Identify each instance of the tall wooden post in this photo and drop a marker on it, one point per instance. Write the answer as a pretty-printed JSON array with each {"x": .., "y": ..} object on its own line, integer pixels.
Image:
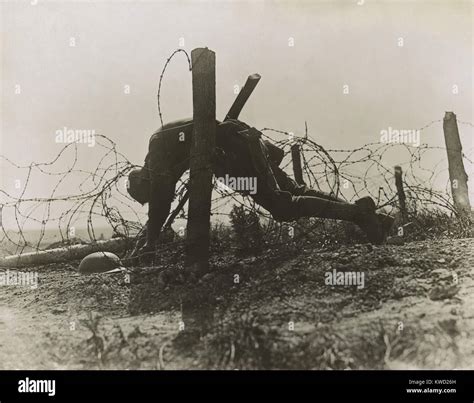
[
  {"x": 457, "y": 173},
  {"x": 202, "y": 147},
  {"x": 296, "y": 159},
  {"x": 400, "y": 192}
]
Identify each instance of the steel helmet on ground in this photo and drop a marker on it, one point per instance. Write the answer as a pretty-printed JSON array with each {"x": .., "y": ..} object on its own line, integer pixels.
[{"x": 99, "y": 262}]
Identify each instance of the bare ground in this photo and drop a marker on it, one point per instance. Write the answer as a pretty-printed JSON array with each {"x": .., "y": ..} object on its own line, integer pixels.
[{"x": 274, "y": 310}]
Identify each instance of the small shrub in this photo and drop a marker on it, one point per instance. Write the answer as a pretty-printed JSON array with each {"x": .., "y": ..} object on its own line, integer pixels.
[{"x": 248, "y": 232}]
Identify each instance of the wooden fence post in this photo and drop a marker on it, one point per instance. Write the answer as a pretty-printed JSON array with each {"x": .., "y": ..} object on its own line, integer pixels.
[
  {"x": 457, "y": 173},
  {"x": 202, "y": 147},
  {"x": 296, "y": 159},
  {"x": 400, "y": 192}
]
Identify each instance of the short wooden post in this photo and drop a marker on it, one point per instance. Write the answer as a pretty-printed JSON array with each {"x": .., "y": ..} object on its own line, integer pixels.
[
  {"x": 457, "y": 173},
  {"x": 202, "y": 147},
  {"x": 400, "y": 192},
  {"x": 296, "y": 159}
]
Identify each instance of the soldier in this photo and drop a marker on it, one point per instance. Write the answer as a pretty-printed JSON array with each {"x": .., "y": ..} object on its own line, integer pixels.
[{"x": 240, "y": 153}]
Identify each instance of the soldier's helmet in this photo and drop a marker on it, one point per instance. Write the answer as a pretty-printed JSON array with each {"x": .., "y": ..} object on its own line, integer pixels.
[
  {"x": 99, "y": 262},
  {"x": 139, "y": 185}
]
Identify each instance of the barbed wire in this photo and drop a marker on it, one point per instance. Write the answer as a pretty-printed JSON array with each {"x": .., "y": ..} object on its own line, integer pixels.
[
  {"x": 163, "y": 74},
  {"x": 101, "y": 197}
]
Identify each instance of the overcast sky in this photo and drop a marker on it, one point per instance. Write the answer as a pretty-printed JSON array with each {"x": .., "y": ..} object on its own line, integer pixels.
[{"x": 125, "y": 43}]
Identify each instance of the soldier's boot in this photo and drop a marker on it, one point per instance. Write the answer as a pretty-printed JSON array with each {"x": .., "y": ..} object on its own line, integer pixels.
[
  {"x": 362, "y": 213},
  {"x": 375, "y": 225}
]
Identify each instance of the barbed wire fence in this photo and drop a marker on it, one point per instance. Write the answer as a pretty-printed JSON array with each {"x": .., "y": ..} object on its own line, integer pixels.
[{"x": 102, "y": 197}]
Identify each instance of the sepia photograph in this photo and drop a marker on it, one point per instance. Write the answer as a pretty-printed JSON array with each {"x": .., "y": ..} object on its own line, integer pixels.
[{"x": 237, "y": 188}]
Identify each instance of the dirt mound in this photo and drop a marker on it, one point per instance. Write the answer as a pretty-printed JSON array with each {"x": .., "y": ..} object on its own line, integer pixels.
[{"x": 405, "y": 306}]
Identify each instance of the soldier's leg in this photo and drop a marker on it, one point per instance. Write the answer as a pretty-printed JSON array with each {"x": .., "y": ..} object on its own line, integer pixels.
[
  {"x": 278, "y": 193},
  {"x": 286, "y": 207},
  {"x": 290, "y": 185},
  {"x": 361, "y": 206},
  {"x": 306, "y": 191}
]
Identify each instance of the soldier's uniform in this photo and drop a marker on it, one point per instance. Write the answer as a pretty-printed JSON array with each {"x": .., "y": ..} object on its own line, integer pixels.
[{"x": 240, "y": 153}]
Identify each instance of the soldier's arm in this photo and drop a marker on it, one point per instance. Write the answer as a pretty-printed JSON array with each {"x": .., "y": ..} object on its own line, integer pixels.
[
  {"x": 169, "y": 159},
  {"x": 161, "y": 196}
]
